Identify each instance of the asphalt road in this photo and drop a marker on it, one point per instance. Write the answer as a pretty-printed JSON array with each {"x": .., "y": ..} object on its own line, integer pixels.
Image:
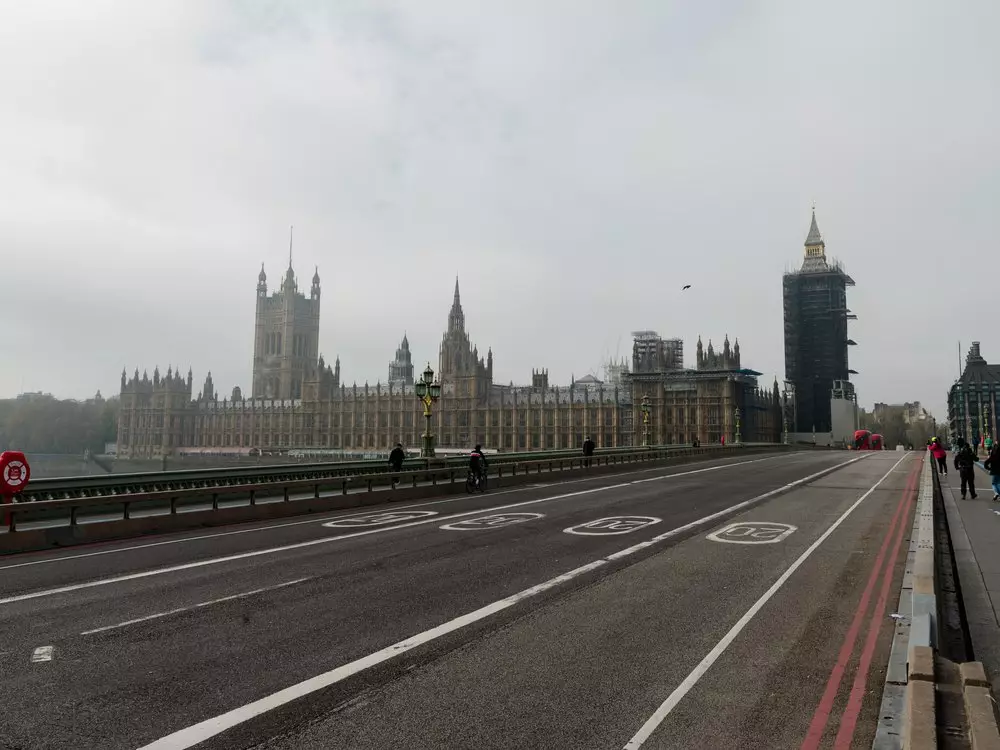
[{"x": 526, "y": 630}]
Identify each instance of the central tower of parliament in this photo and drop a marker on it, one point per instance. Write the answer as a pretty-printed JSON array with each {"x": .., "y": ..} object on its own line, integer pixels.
[{"x": 298, "y": 401}]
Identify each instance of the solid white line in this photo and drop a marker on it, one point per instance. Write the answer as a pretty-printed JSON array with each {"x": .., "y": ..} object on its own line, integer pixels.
[
  {"x": 699, "y": 671},
  {"x": 177, "y": 611},
  {"x": 327, "y": 540},
  {"x": 341, "y": 512},
  {"x": 193, "y": 735},
  {"x": 42, "y": 653}
]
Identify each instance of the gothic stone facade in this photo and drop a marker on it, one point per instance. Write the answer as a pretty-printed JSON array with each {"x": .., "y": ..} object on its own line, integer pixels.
[{"x": 161, "y": 415}]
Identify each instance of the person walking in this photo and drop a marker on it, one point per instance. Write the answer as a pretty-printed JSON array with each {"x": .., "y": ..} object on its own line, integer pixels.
[
  {"x": 588, "y": 451},
  {"x": 965, "y": 463},
  {"x": 992, "y": 465},
  {"x": 940, "y": 454}
]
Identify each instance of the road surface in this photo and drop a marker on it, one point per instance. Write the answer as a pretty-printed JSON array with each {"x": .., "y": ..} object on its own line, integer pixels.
[{"x": 514, "y": 619}]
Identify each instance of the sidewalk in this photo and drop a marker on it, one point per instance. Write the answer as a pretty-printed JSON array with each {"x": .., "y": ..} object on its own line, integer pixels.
[{"x": 974, "y": 527}]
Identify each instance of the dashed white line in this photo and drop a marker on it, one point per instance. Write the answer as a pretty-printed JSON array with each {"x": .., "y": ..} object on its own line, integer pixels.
[
  {"x": 198, "y": 733},
  {"x": 340, "y": 537},
  {"x": 160, "y": 615},
  {"x": 42, "y": 653}
]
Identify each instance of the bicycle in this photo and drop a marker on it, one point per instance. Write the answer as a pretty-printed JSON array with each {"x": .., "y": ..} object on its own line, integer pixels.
[{"x": 475, "y": 482}]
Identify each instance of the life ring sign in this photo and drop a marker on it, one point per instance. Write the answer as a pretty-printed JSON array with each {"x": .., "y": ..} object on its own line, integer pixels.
[{"x": 14, "y": 472}]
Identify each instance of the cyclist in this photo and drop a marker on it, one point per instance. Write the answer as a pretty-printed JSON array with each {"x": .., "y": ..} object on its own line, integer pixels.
[{"x": 477, "y": 464}]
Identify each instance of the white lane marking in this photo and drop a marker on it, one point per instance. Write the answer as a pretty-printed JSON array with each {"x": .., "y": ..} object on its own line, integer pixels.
[
  {"x": 197, "y": 733},
  {"x": 177, "y": 611},
  {"x": 191, "y": 736},
  {"x": 42, "y": 653},
  {"x": 340, "y": 537},
  {"x": 383, "y": 518},
  {"x": 729, "y": 511},
  {"x": 698, "y": 672},
  {"x": 753, "y": 532},
  {"x": 272, "y": 527},
  {"x": 612, "y": 526},
  {"x": 495, "y": 521}
]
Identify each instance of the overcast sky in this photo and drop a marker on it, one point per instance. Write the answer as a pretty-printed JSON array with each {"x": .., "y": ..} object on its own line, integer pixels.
[{"x": 574, "y": 162}]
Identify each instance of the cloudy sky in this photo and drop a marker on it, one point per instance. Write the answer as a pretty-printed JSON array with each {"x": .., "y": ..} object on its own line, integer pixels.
[{"x": 574, "y": 162}]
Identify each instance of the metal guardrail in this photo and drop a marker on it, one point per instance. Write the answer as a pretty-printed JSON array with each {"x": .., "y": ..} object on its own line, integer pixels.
[
  {"x": 179, "y": 499},
  {"x": 68, "y": 488}
]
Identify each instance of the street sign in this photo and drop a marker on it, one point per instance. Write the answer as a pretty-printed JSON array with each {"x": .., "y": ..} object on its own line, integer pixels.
[
  {"x": 494, "y": 521},
  {"x": 753, "y": 532},
  {"x": 613, "y": 525},
  {"x": 14, "y": 472}
]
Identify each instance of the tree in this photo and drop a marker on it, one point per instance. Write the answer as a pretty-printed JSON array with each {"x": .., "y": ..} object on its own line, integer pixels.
[{"x": 44, "y": 424}]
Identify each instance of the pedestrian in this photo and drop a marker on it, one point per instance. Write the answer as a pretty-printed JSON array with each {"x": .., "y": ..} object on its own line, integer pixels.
[
  {"x": 940, "y": 454},
  {"x": 396, "y": 458},
  {"x": 992, "y": 465},
  {"x": 965, "y": 463},
  {"x": 588, "y": 451}
]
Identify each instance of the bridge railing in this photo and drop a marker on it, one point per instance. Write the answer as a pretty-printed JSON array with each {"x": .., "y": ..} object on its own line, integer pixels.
[
  {"x": 105, "y": 485},
  {"x": 174, "y": 500}
]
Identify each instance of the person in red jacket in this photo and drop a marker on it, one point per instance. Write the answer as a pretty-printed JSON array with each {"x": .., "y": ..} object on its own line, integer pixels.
[{"x": 940, "y": 454}]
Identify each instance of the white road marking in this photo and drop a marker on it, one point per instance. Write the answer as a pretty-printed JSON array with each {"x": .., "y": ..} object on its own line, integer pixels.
[
  {"x": 42, "y": 653},
  {"x": 330, "y": 539},
  {"x": 197, "y": 733},
  {"x": 177, "y": 611},
  {"x": 272, "y": 527},
  {"x": 753, "y": 532},
  {"x": 495, "y": 521},
  {"x": 698, "y": 672},
  {"x": 378, "y": 518},
  {"x": 612, "y": 526}
]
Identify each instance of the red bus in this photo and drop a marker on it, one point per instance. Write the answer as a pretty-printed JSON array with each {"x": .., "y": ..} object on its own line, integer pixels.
[
  {"x": 877, "y": 442},
  {"x": 862, "y": 440}
]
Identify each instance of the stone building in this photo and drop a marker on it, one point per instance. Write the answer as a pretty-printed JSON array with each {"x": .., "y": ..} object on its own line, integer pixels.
[
  {"x": 974, "y": 399},
  {"x": 287, "y": 337},
  {"x": 300, "y": 402}
]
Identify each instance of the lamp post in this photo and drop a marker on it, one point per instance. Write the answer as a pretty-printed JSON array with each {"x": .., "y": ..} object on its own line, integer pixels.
[
  {"x": 739, "y": 436},
  {"x": 428, "y": 391},
  {"x": 645, "y": 420}
]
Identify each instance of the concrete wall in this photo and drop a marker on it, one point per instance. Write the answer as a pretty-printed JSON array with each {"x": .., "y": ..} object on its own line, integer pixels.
[{"x": 844, "y": 417}]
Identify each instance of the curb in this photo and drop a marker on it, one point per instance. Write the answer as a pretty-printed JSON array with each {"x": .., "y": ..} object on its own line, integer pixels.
[{"x": 920, "y": 723}]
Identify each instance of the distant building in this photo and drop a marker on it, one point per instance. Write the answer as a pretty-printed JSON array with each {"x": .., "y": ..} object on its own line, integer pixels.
[
  {"x": 401, "y": 368},
  {"x": 816, "y": 336},
  {"x": 912, "y": 412},
  {"x": 974, "y": 399},
  {"x": 286, "y": 342},
  {"x": 301, "y": 403}
]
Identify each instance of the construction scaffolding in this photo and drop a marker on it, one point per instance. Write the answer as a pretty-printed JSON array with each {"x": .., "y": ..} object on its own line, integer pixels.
[{"x": 652, "y": 353}]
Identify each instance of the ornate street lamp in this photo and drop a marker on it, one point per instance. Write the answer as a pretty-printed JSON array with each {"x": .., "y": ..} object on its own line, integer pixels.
[
  {"x": 428, "y": 391},
  {"x": 739, "y": 435},
  {"x": 644, "y": 408}
]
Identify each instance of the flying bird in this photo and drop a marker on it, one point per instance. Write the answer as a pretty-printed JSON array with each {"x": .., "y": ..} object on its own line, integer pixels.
[{"x": 686, "y": 286}]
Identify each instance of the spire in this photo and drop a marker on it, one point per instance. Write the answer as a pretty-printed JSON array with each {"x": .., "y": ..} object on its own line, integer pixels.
[
  {"x": 456, "y": 318},
  {"x": 291, "y": 236},
  {"x": 814, "y": 237}
]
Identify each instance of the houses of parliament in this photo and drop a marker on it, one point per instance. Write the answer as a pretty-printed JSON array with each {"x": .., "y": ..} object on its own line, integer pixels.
[{"x": 300, "y": 402}]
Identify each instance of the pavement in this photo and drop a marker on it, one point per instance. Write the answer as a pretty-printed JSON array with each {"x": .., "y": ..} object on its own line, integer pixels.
[
  {"x": 974, "y": 526},
  {"x": 512, "y": 619}
]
